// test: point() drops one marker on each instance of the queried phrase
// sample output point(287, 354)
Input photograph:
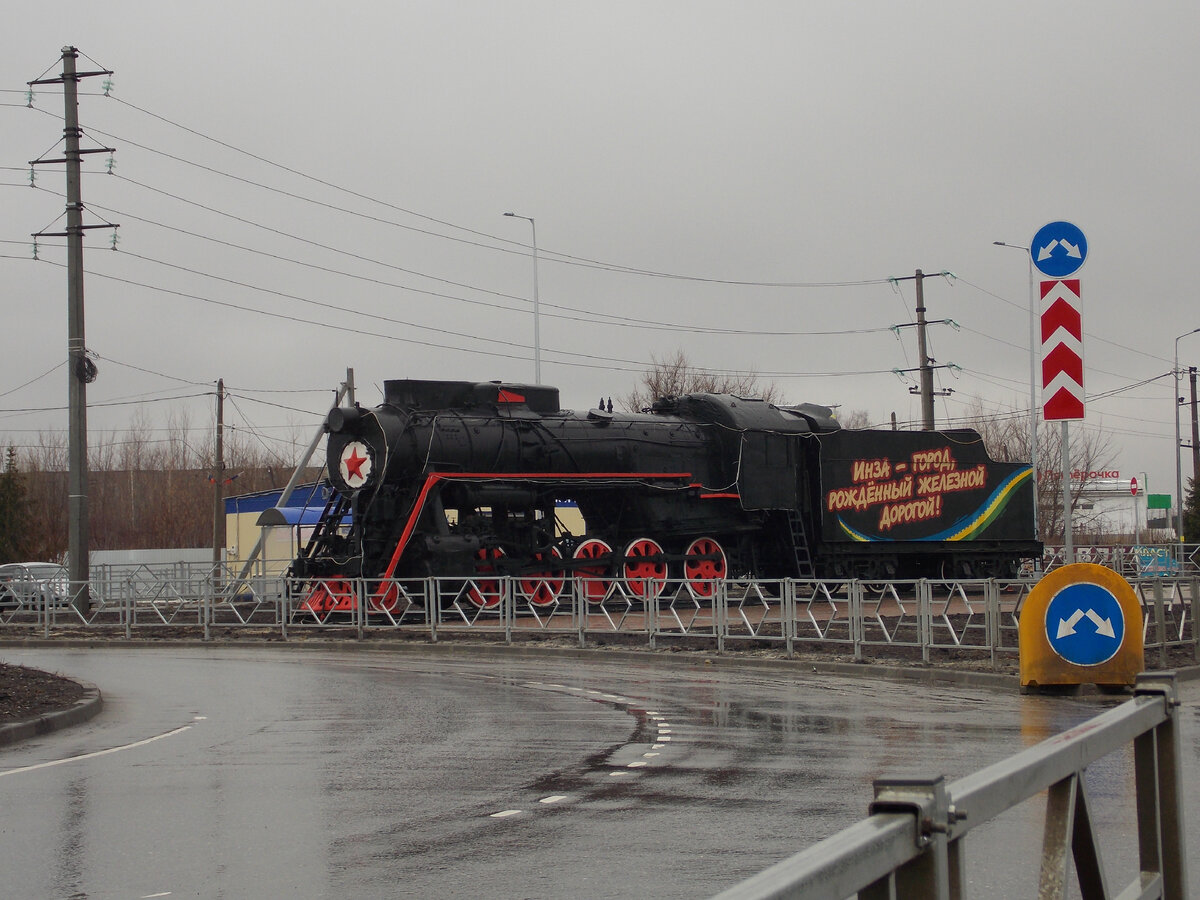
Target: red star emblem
point(354, 464)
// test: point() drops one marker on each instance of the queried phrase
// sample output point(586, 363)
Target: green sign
point(1158, 501)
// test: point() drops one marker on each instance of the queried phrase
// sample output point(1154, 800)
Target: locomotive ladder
point(804, 566)
point(319, 543)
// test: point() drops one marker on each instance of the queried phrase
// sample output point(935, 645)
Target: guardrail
point(973, 617)
point(912, 843)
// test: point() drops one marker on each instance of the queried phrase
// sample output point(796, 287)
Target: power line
point(49, 371)
point(1088, 334)
point(572, 358)
point(589, 317)
point(38, 409)
point(514, 247)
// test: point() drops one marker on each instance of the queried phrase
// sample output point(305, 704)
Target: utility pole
point(926, 367)
point(1195, 432)
point(219, 484)
point(81, 371)
point(926, 372)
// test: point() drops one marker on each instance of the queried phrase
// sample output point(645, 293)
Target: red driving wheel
point(594, 580)
point(645, 570)
point(543, 587)
point(485, 592)
point(703, 566)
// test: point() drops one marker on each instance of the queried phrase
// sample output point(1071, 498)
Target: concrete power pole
point(926, 367)
point(926, 372)
point(1195, 434)
point(81, 370)
point(219, 482)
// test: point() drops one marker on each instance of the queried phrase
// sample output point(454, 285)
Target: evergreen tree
point(14, 511)
point(1191, 514)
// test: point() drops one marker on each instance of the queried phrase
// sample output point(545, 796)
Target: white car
point(31, 585)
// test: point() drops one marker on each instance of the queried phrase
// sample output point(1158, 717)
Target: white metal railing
point(876, 617)
point(1131, 560)
point(912, 844)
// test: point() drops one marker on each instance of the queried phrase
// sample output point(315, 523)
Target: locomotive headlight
point(344, 418)
point(355, 464)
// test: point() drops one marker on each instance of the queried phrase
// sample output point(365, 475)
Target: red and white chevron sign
point(1062, 350)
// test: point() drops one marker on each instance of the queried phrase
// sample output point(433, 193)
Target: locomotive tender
point(463, 479)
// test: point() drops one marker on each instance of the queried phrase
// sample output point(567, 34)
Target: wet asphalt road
point(240, 772)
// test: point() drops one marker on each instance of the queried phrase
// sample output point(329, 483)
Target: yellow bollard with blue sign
point(1081, 624)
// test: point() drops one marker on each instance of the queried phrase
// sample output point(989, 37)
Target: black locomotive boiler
point(470, 480)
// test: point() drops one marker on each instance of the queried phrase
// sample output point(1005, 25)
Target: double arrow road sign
point(1058, 250)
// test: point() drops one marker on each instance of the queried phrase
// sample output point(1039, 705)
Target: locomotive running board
point(433, 478)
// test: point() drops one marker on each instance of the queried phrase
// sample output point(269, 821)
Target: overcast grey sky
point(303, 188)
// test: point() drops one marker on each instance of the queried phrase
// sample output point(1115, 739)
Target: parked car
point(31, 585)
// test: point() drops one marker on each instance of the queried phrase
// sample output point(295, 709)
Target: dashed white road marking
point(618, 773)
point(151, 896)
point(93, 755)
point(651, 754)
point(505, 813)
point(554, 799)
point(638, 764)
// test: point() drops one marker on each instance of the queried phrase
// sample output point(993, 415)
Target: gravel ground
point(29, 693)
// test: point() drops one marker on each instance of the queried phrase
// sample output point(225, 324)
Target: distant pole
point(926, 371)
point(537, 337)
point(1178, 442)
point(1195, 432)
point(1135, 516)
point(219, 482)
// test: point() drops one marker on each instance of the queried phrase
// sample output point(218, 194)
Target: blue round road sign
point(1085, 624)
point(1058, 249)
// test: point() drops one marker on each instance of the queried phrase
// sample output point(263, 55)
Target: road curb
point(83, 709)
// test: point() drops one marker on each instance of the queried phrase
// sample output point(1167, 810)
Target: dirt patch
point(29, 693)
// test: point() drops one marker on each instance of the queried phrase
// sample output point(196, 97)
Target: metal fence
point(921, 618)
point(912, 844)
point(1131, 560)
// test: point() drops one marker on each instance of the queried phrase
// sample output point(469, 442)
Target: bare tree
point(855, 419)
point(145, 491)
point(675, 376)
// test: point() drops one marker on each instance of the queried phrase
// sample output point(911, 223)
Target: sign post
point(1133, 489)
point(1058, 250)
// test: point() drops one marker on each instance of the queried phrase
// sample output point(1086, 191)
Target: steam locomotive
point(471, 480)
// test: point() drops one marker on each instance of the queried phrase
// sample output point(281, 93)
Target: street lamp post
point(1033, 404)
point(537, 338)
point(1178, 462)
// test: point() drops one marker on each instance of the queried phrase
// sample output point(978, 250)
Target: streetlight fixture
point(537, 338)
point(1033, 404)
point(1178, 463)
